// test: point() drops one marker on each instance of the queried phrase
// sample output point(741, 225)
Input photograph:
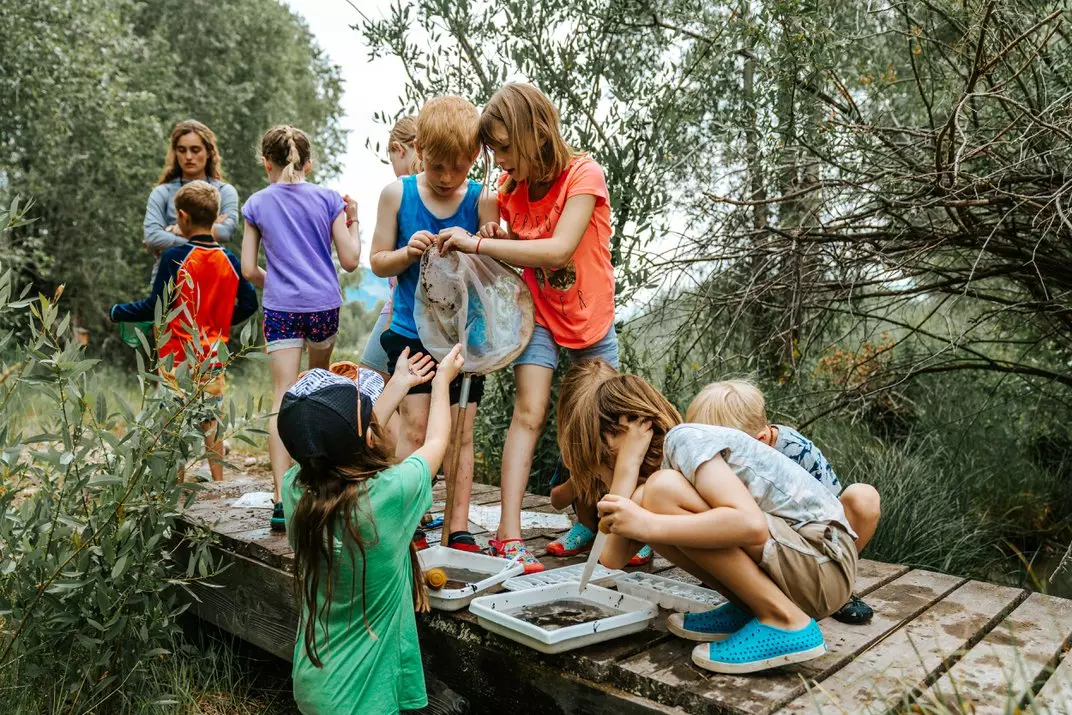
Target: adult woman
point(192, 154)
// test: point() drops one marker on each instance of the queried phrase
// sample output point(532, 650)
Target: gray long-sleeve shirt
point(160, 213)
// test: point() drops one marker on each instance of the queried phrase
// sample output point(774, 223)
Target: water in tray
point(463, 578)
point(560, 614)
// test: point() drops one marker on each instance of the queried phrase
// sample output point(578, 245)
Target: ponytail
point(288, 148)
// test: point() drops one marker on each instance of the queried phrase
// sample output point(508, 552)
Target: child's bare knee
point(662, 490)
point(863, 501)
point(414, 427)
point(529, 417)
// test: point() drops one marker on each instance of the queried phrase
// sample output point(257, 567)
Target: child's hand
point(493, 230)
point(633, 441)
point(624, 517)
point(449, 366)
point(416, 370)
point(418, 244)
point(456, 238)
point(350, 208)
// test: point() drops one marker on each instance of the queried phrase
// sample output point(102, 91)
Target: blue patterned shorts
point(283, 329)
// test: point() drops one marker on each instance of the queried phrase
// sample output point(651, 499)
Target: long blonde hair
point(214, 163)
point(532, 127)
point(592, 399)
point(288, 148)
point(404, 132)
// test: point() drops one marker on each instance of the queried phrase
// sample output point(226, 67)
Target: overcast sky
point(369, 87)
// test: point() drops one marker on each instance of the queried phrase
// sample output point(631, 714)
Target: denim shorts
point(374, 355)
point(543, 350)
point(283, 329)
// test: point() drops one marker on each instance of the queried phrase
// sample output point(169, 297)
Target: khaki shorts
point(815, 566)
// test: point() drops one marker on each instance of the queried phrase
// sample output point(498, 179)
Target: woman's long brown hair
point(214, 163)
point(591, 400)
point(337, 495)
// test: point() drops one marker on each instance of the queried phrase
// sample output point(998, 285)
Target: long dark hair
point(333, 495)
point(214, 164)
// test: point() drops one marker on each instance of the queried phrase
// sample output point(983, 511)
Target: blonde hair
point(731, 403)
point(213, 163)
point(288, 148)
point(404, 132)
point(592, 399)
point(531, 124)
point(448, 129)
point(200, 201)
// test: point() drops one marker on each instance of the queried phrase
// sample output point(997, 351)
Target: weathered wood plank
point(887, 674)
point(253, 601)
point(1056, 694)
point(872, 574)
point(666, 673)
point(995, 675)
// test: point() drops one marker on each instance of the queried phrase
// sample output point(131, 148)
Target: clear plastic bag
point(476, 301)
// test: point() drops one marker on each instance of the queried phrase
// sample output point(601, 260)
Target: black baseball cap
point(324, 414)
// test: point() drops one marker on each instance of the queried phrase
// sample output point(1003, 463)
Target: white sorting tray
point(491, 614)
point(455, 599)
point(602, 576)
point(668, 593)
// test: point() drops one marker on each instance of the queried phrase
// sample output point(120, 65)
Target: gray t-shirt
point(778, 484)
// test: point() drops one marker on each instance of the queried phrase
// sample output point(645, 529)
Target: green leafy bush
point(92, 553)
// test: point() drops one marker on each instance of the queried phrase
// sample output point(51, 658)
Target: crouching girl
point(738, 515)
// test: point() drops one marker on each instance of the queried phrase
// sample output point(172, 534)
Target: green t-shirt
point(363, 674)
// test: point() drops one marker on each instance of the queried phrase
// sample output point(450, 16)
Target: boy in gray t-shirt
point(740, 404)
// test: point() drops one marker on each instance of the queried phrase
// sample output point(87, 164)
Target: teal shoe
point(642, 557)
point(713, 625)
point(278, 522)
point(575, 541)
point(757, 647)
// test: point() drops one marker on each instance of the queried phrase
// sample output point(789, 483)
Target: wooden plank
point(995, 675)
point(887, 674)
point(1056, 694)
point(872, 574)
point(666, 672)
point(253, 601)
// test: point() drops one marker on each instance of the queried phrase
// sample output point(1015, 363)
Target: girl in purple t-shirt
point(297, 222)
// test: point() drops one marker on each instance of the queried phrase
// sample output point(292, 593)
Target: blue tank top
point(414, 216)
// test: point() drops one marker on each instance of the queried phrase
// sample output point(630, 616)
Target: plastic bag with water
point(476, 301)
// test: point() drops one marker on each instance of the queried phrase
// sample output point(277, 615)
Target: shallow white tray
point(668, 593)
point(455, 599)
point(490, 613)
point(602, 576)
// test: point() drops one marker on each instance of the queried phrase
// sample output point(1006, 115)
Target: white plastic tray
point(455, 599)
point(668, 593)
point(490, 613)
point(602, 576)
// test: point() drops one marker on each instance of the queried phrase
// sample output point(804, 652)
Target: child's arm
point(157, 238)
point(409, 372)
point(438, 434)
point(632, 446)
point(562, 495)
point(251, 246)
point(227, 221)
point(386, 260)
point(553, 253)
point(144, 311)
point(734, 518)
point(246, 298)
point(347, 239)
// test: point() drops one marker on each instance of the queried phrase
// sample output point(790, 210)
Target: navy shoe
point(855, 612)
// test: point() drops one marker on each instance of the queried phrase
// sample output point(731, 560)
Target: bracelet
point(478, 244)
point(350, 221)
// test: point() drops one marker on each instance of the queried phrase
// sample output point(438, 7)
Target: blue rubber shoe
point(577, 540)
point(279, 523)
point(714, 625)
point(759, 647)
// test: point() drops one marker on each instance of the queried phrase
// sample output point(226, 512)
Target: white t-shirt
point(778, 484)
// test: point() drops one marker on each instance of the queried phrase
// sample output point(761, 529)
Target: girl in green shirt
point(350, 514)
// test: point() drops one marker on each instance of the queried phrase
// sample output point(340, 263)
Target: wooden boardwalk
point(971, 646)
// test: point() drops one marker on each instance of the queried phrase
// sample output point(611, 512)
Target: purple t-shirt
point(294, 221)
